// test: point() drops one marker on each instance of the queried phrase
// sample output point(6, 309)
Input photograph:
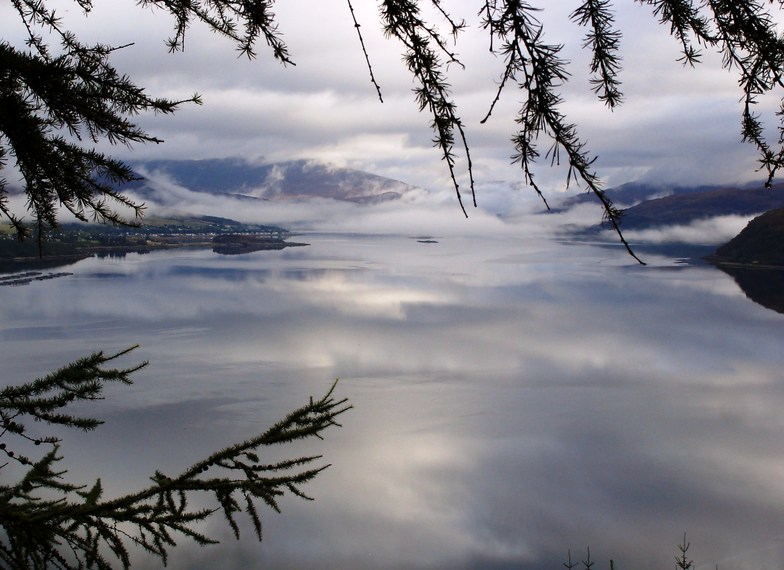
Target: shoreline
point(239, 244)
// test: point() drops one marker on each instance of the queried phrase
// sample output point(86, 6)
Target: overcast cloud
point(677, 126)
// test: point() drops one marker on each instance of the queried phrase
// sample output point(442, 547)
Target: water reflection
point(762, 285)
point(511, 400)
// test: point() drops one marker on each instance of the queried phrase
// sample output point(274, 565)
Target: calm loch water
point(512, 399)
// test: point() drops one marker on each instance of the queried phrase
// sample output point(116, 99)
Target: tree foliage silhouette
point(48, 522)
point(55, 100)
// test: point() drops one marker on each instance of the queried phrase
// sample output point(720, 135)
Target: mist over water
point(513, 397)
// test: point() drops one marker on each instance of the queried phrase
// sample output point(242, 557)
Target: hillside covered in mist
point(294, 180)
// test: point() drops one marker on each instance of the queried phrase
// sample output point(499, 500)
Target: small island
point(235, 244)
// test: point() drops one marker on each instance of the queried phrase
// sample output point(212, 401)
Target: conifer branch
point(48, 522)
point(685, 21)
point(242, 21)
point(364, 51)
point(746, 35)
point(53, 101)
point(539, 72)
point(604, 42)
point(401, 20)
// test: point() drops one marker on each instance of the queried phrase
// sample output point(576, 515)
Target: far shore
point(239, 244)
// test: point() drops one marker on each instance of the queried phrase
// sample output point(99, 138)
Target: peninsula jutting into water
point(72, 242)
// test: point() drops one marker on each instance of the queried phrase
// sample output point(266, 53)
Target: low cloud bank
point(501, 208)
point(709, 231)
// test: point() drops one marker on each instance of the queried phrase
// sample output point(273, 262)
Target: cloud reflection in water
point(510, 403)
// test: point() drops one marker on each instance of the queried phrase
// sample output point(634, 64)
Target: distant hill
point(760, 243)
point(632, 193)
point(650, 205)
point(682, 209)
point(277, 181)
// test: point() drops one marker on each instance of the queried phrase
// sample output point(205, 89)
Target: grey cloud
point(677, 125)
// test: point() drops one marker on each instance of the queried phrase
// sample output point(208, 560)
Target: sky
point(677, 126)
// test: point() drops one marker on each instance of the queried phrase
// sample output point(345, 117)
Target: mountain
point(651, 205)
point(682, 209)
point(290, 180)
point(632, 193)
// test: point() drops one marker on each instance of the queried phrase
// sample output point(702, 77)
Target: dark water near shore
point(512, 400)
